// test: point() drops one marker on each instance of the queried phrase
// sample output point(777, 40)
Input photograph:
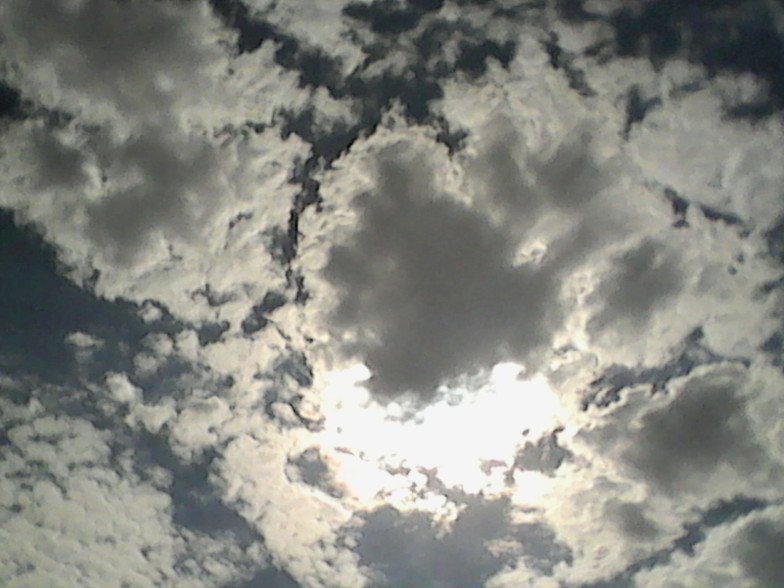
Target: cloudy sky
point(391, 293)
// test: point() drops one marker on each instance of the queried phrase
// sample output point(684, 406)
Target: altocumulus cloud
point(235, 200)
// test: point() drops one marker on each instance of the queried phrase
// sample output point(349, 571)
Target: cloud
point(63, 495)
point(411, 550)
point(300, 525)
point(742, 554)
point(697, 437)
point(432, 287)
point(654, 476)
point(335, 180)
point(429, 284)
point(641, 281)
point(633, 520)
point(757, 550)
point(139, 57)
point(178, 188)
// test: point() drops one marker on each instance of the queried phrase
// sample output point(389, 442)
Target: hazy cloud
point(743, 553)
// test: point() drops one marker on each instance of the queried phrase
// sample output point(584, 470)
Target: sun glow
point(468, 439)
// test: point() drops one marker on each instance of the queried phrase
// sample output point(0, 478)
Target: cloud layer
point(390, 293)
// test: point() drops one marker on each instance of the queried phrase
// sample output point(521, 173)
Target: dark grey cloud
point(177, 191)
point(632, 519)
point(704, 430)
point(643, 279)
point(59, 165)
point(428, 285)
point(98, 39)
point(544, 456)
point(759, 550)
point(430, 288)
point(410, 551)
point(637, 525)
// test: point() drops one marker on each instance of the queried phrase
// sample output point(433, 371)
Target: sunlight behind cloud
point(468, 438)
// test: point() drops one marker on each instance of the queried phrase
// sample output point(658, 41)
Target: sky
point(391, 293)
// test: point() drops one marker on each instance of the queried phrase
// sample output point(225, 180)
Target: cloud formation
point(429, 286)
point(138, 57)
point(696, 437)
point(236, 199)
point(433, 287)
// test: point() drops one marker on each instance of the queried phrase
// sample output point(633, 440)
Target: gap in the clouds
point(66, 339)
point(11, 104)
point(637, 108)
point(58, 341)
point(563, 60)
point(384, 17)
point(774, 238)
point(680, 207)
point(310, 467)
point(681, 204)
point(257, 318)
point(574, 11)
point(729, 36)
point(292, 367)
point(196, 501)
point(375, 94)
point(773, 347)
point(40, 307)
point(545, 456)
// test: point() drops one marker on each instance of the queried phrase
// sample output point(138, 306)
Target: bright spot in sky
point(469, 438)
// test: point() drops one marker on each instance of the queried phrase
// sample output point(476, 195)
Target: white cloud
point(300, 525)
point(320, 25)
point(647, 468)
point(198, 425)
point(121, 389)
point(62, 523)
